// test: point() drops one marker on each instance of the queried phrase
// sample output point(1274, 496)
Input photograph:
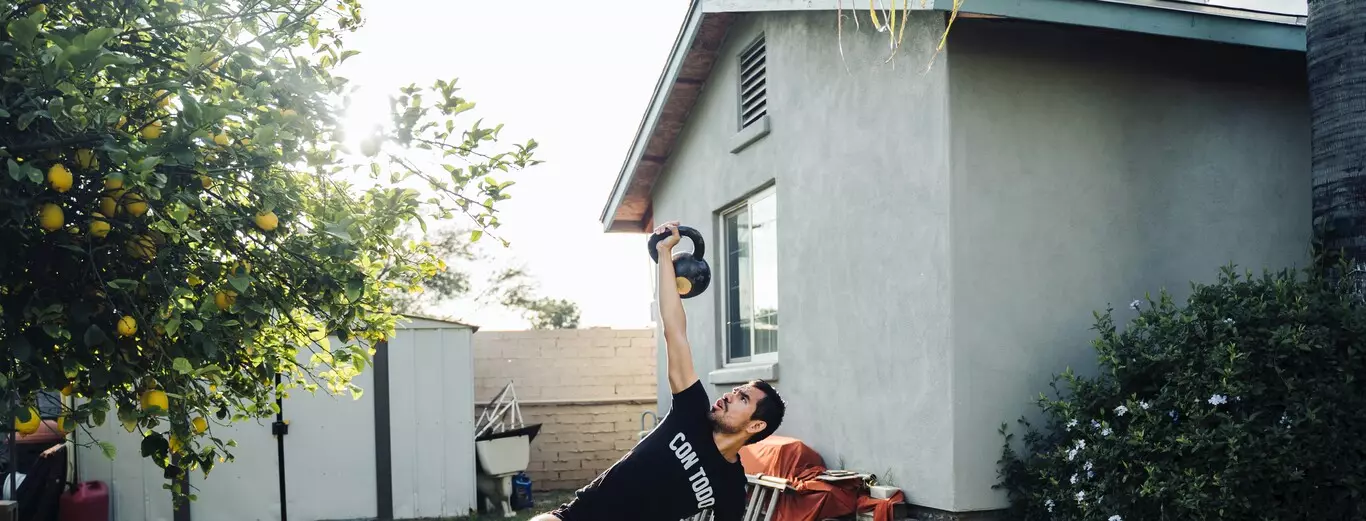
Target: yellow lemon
point(50, 217)
point(128, 326)
point(142, 247)
point(108, 206)
point(86, 158)
point(152, 130)
point(200, 425)
point(26, 428)
point(134, 204)
point(66, 391)
point(163, 99)
point(99, 225)
point(206, 182)
point(113, 184)
point(267, 221)
point(154, 401)
point(123, 122)
point(224, 300)
point(59, 177)
point(173, 444)
point(222, 140)
point(288, 112)
point(64, 425)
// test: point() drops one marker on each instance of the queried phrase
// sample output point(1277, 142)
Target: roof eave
point(694, 53)
point(681, 83)
point(625, 178)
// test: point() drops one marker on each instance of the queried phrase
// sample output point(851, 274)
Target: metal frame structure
point(501, 414)
point(764, 492)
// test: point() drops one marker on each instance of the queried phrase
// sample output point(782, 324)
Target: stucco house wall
point(856, 158)
point(944, 235)
point(1089, 168)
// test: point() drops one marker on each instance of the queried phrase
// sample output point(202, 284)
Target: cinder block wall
point(578, 442)
point(587, 387)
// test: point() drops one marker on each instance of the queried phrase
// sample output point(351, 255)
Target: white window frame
point(725, 275)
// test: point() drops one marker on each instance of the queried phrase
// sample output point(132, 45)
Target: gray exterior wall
point(858, 158)
point(944, 235)
point(1090, 168)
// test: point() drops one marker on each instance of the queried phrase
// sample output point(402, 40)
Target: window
point(750, 279)
point(753, 84)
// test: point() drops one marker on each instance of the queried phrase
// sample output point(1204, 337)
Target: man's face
point(734, 411)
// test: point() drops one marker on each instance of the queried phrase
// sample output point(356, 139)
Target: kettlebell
point(692, 275)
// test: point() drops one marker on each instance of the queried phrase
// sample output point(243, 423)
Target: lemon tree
point(182, 221)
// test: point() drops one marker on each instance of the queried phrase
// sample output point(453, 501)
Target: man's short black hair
point(769, 409)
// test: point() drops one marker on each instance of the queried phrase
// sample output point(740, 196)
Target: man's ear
point(756, 426)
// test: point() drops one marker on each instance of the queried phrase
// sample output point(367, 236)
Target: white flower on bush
point(1228, 321)
point(1121, 410)
point(1081, 444)
point(1116, 518)
point(1095, 424)
point(1081, 496)
point(1106, 431)
point(1072, 423)
point(1135, 304)
point(1074, 479)
point(1143, 405)
point(1049, 504)
point(1071, 454)
point(1087, 466)
point(1218, 399)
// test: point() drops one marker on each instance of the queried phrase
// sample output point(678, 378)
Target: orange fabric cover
point(811, 499)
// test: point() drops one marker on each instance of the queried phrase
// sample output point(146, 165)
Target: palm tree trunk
point(1336, 60)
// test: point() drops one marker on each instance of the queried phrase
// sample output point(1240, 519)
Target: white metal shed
point(404, 450)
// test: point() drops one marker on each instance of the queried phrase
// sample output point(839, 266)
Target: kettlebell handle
point(699, 247)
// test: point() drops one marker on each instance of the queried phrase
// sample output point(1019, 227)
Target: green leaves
point(20, 348)
point(26, 119)
point(94, 336)
point(240, 282)
point(175, 288)
point(1215, 409)
point(109, 450)
point(182, 366)
point(22, 31)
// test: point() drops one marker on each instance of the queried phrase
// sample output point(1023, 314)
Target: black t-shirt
point(675, 472)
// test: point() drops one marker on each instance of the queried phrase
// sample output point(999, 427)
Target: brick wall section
point(578, 442)
point(587, 388)
point(578, 364)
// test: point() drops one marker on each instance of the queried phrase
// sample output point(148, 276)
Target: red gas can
point(88, 502)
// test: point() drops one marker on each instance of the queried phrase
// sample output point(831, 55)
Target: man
point(691, 461)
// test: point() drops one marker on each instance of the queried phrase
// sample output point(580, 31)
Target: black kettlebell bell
point(692, 275)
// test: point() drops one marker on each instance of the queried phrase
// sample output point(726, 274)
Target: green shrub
point(1246, 402)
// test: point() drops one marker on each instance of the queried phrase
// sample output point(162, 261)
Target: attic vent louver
point(753, 83)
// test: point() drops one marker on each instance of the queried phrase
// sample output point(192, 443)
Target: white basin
point(504, 456)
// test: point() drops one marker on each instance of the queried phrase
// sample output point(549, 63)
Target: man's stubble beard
point(718, 428)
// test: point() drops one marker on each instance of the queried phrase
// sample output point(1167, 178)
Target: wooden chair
point(763, 492)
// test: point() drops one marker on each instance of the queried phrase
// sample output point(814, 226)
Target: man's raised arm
point(681, 372)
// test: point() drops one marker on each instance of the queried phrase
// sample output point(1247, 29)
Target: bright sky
point(577, 78)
